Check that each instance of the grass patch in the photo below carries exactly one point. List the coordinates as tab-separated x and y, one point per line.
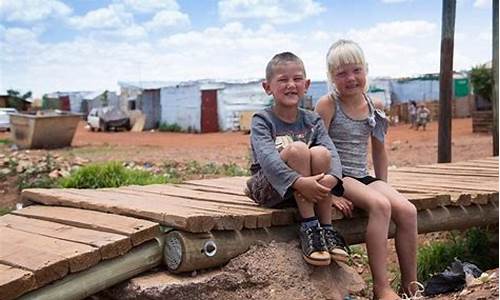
4	210
112	174
5	142
167	127
193	167
473	245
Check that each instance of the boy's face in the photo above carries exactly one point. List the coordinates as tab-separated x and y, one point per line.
288	84
350	79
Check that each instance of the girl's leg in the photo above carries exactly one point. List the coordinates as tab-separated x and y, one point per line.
378	208
404	215
298	157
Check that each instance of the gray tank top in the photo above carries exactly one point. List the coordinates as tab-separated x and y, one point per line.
350	136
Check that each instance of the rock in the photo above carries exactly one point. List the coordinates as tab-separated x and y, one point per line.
54	174
4	171
274	271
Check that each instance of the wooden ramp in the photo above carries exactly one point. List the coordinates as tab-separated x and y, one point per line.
41	244
220	204
76	229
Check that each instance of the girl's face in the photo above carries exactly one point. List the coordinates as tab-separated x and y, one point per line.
350	79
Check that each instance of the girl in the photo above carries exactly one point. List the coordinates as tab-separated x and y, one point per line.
351	119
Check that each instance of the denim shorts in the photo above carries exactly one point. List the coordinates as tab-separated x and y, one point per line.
262	192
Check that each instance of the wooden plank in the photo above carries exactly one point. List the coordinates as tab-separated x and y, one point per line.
242	203
137	230
109	244
14	282
161	212
78	256
427	200
219	216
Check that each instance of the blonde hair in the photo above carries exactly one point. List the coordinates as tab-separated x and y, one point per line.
343	52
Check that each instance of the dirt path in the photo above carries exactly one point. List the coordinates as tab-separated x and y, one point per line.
406	147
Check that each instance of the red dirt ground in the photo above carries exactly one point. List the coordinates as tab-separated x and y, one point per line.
405	146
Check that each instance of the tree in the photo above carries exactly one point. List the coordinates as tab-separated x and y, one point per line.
16	100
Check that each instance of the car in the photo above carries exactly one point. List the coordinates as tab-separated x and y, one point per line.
107	118
5	118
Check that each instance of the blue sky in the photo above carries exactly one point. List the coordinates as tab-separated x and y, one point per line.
62	45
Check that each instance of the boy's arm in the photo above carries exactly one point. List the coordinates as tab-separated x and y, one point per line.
380	159
277	172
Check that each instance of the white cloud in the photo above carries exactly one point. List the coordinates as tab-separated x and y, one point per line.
166	19
274	11
482	3
395	30
148	6
113	16
32	10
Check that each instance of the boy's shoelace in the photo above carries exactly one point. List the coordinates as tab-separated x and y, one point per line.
417	294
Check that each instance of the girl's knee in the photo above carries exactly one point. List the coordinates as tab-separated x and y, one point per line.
380	206
406	214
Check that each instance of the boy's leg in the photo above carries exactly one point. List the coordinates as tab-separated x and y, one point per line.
320	163
404	215
379	214
297	157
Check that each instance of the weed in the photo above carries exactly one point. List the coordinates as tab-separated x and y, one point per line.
167	127
5	210
193	167
5	142
112	174
472	246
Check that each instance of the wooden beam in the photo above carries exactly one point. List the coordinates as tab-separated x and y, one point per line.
104	275
494	99
186	252
446	81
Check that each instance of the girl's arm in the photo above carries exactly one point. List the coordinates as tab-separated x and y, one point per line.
325	109
380	159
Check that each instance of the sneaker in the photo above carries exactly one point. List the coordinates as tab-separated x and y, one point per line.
336	245
313	246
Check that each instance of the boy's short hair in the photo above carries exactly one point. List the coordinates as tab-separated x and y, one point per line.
281	58
344	52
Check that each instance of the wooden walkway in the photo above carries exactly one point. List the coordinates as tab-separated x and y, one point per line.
76	229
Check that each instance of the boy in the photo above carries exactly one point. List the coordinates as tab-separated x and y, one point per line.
423	116
295	162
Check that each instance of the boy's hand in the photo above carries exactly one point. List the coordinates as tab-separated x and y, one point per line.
344	205
309	188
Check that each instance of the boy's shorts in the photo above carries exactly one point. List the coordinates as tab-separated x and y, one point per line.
262	192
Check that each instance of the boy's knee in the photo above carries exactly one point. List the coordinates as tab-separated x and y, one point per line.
296	150
320	152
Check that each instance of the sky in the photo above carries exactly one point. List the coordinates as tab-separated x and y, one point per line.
82	45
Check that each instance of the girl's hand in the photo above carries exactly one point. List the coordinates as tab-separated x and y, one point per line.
344	205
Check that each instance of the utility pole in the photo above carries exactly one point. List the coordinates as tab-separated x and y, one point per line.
446	81
494	97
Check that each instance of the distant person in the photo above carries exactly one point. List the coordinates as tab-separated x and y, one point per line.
423	116
352	118
295	162
412	113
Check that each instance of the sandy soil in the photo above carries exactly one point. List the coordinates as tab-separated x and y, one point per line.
405	146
